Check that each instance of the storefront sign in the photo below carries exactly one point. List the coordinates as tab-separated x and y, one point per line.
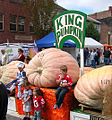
20	37
70	25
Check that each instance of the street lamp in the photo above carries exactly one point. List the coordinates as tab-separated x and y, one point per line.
109	38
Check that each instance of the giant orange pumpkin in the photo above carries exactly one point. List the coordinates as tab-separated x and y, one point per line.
86	70
91	86
9	71
43	69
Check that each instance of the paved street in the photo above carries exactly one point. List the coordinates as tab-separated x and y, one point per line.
102	64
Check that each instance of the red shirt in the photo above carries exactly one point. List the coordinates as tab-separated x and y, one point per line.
67	79
38	102
21	58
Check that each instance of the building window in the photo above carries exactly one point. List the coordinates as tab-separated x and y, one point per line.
98	27
31	27
13	23
1	22
13	1
21	24
20	1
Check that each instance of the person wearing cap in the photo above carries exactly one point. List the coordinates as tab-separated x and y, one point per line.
21	77
5	57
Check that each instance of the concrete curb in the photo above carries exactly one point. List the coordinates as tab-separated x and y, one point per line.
14	115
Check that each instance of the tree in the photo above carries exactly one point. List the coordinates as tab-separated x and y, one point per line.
41	13
91	31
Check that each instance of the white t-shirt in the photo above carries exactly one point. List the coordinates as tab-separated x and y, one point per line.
92	55
26	94
5	59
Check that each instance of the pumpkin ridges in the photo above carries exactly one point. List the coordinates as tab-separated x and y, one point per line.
33	66
93	90
92	83
50	74
98	88
88	88
36	80
31	77
46	82
81	94
85	91
93	79
86	100
55	55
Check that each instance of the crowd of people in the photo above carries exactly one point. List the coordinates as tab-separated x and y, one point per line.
93	57
21	57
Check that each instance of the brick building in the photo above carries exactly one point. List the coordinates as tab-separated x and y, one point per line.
15	25
105	17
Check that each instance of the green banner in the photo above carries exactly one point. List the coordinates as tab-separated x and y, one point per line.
70	25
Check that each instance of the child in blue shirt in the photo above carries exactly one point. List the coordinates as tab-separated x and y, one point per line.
21	77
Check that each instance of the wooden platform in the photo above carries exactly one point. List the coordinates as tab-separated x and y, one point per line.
90	109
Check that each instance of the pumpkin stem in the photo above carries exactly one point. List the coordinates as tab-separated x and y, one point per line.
39	70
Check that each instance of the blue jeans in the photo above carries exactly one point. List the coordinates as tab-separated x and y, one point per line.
106	60
60	94
88	64
93	64
37	115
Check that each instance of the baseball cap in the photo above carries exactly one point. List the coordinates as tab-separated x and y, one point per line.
21	65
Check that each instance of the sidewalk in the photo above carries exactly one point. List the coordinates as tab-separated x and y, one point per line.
12	115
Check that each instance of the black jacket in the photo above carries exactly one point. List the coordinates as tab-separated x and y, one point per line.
3	101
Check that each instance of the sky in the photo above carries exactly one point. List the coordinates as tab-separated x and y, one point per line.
86	6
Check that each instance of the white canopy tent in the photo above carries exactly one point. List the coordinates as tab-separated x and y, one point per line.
91	43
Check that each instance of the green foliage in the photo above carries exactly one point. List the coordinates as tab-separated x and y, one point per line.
41	13
91	31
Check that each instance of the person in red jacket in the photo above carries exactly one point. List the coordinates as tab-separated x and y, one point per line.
38	102
21	57
65	82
